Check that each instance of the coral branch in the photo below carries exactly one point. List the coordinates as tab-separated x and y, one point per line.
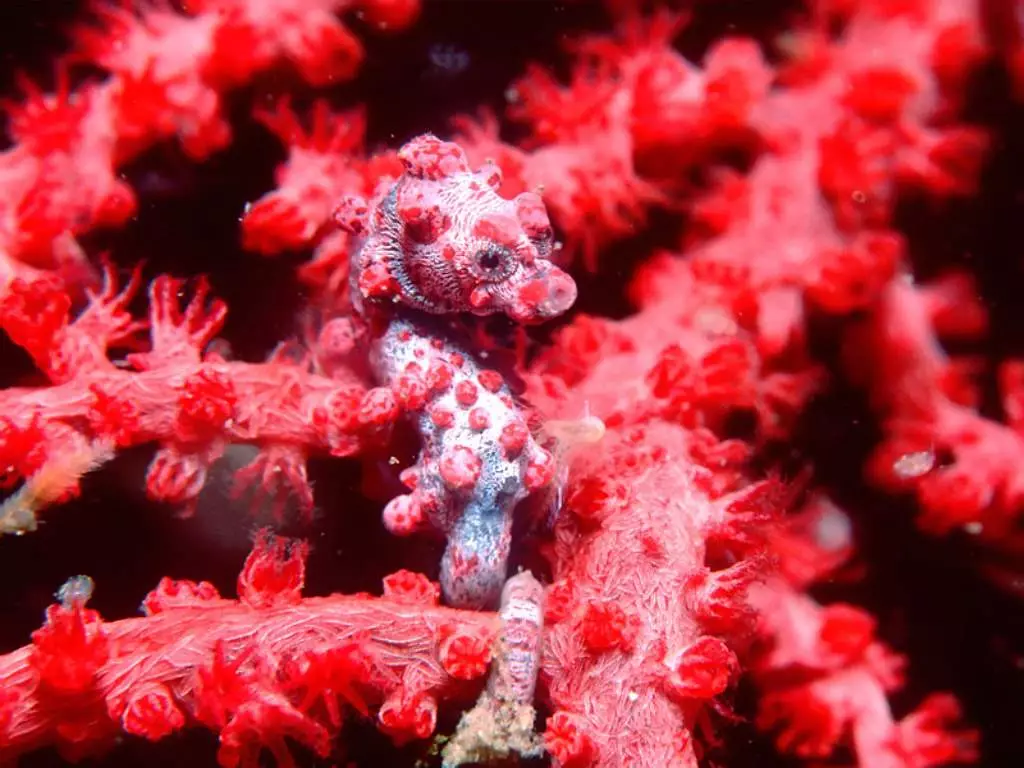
852	124
827	677
167	72
628	666
179	395
965	469
269	666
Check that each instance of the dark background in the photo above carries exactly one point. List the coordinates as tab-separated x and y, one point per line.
959	633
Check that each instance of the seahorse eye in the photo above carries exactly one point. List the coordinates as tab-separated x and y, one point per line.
488	260
493	263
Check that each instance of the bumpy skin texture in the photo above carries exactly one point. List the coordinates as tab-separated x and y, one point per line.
439	241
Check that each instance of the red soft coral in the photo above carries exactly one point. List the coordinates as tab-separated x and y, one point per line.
811	222
825	675
177	393
267	667
964	468
629	664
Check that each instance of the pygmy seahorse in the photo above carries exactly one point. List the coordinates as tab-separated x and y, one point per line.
440	241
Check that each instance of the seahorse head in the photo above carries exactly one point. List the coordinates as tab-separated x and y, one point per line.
440	239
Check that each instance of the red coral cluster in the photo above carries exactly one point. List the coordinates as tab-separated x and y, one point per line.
739	213
267	666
